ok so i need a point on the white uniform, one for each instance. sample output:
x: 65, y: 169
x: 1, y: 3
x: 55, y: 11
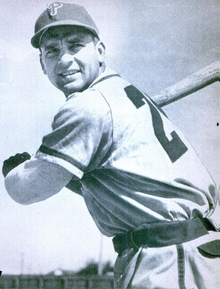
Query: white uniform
x: 134, y: 166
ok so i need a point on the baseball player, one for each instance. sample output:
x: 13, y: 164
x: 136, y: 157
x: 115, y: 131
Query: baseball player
x: 142, y: 181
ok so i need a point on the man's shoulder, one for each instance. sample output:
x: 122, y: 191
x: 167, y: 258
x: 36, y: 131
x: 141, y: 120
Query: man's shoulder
x: 89, y: 103
x: 88, y: 98
x: 100, y: 96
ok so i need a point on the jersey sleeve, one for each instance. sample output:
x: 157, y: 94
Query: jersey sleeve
x: 81, y: 134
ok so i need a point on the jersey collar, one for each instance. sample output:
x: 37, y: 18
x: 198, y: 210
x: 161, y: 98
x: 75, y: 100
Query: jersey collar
x: 107, y: 73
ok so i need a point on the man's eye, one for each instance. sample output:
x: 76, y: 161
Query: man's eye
x: 76, y: 46
x: 52, y: 52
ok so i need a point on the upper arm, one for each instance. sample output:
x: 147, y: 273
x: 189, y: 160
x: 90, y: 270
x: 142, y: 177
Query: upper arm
x: 81, y: 135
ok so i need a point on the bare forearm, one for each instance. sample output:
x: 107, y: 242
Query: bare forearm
x: 36, y: 180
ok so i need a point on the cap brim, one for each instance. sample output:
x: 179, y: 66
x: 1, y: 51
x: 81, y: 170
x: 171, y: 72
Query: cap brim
x: 35, y: 39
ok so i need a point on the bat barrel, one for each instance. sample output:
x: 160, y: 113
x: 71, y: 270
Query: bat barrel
x: 191, y: 84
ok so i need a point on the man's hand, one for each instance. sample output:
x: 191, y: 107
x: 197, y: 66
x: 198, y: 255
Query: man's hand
x: 13, y: 162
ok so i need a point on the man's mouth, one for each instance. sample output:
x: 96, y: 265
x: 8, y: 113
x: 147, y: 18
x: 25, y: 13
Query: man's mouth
x: 69, y: 73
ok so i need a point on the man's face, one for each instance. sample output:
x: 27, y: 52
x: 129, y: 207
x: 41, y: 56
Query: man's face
x: 70, y: 58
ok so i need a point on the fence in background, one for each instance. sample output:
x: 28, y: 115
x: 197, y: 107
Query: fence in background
x: 55, y: 282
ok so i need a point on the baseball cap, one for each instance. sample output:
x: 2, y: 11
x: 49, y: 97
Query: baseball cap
x: 59, y: 14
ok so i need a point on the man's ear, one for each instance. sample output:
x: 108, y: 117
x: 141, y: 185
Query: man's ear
x: 100, y: 46
x: 42, y: 65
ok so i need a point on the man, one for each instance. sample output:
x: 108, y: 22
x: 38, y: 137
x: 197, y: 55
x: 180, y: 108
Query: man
x: 141, y: 179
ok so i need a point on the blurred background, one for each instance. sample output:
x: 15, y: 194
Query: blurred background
x: 153, y: 44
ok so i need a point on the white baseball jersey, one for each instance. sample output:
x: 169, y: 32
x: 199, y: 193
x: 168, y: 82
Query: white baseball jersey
x: 133, y: 164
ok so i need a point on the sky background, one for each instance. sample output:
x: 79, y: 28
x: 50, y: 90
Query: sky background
x: 153, y: 44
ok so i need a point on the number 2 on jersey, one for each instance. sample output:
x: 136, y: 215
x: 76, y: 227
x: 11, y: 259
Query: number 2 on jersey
x: 174, y: 148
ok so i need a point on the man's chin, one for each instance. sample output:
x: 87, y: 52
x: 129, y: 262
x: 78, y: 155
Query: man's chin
x: 70, y: 88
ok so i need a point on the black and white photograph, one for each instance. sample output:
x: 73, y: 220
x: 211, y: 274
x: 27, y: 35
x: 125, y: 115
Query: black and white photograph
x: 109, y: 148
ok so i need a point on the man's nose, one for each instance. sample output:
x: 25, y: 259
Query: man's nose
x: 66, y: 58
